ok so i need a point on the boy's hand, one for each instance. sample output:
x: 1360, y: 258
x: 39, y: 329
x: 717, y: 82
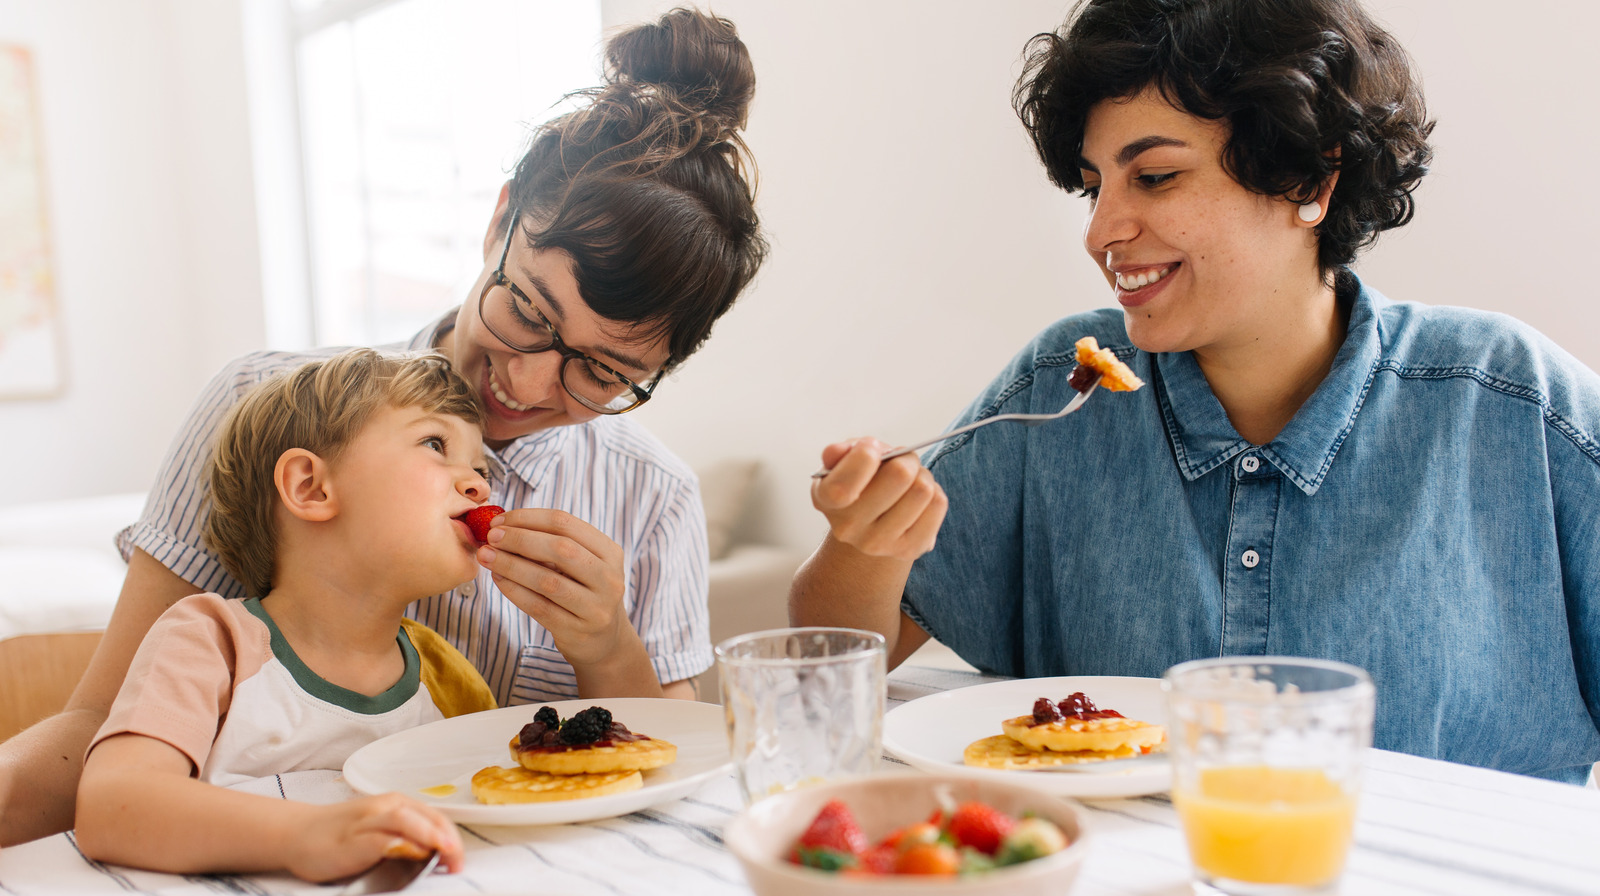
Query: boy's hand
x: 564, y: 573
x: 347, y: 838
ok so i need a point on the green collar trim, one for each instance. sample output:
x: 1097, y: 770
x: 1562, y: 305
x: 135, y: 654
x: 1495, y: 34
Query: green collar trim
x: 327, y: 691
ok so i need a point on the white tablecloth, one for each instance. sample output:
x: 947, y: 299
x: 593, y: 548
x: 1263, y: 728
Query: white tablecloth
x: 1425, y: 827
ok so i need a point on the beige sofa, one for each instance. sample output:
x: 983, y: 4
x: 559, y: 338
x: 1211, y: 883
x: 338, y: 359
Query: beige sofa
x: 59, y: 567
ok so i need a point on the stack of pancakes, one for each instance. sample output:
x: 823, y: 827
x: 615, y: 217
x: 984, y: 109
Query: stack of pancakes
x: 1029, y: 744
x: 545, y: 774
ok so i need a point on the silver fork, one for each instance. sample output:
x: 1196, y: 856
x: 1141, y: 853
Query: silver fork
x: 1030, y: 419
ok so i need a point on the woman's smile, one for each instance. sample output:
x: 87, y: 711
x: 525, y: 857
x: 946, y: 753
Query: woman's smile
x: 507, y: 417
x: 1137, y: 286
x: 500, y: 395
x: 1133, y: 282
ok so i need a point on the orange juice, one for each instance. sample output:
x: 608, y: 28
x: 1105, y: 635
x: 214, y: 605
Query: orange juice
x: 1267, y: 825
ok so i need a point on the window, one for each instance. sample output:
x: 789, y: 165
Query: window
x: 412, y: 113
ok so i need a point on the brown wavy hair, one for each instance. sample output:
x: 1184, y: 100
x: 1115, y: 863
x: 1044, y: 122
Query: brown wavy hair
x: 649, y: 186
x: 1307, y: 88
x: 319, y: 406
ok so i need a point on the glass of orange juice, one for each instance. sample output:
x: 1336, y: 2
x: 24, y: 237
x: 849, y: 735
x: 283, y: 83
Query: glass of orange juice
x: 1266, y: 768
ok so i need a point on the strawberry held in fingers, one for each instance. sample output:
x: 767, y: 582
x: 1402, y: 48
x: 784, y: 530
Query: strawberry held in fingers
x: 478, y: 519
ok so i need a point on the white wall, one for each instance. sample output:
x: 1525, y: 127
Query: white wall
x: 148, y: 187
x: 916, y: 243
x: 1510, y: 216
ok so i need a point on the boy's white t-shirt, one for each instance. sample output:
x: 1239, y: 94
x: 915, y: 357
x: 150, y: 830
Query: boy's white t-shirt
x: 216, y: 680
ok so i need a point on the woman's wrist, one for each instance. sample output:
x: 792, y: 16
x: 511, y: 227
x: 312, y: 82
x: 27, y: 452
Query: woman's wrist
x: 625, y: 671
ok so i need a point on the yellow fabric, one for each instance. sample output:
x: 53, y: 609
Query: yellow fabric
x: 456, y: 687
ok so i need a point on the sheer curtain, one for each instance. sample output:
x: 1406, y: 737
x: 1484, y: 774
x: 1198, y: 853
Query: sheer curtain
x: 412, y: 113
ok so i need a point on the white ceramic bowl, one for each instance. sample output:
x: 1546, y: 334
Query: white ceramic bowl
x: 761, y: 836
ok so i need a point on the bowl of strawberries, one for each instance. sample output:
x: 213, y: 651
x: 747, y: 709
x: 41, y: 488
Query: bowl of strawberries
x: 910, y: 832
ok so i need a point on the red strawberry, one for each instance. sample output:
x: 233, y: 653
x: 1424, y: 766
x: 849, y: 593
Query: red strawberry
x: 477, y: 519
x: 980, y: 826
x: 834, y: 828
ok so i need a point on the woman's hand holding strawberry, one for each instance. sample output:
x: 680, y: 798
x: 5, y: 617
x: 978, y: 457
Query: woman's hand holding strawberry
x: 568, y: 576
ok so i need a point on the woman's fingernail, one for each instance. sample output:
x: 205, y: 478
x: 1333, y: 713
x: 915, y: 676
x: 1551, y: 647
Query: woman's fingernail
x: 496, y: 534
x: 486, y: 555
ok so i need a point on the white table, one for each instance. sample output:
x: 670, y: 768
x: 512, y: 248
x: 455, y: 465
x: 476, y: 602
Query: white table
x: 1425, y: 827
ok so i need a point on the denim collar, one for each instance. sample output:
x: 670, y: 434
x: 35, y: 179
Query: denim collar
x: 1203, y: 438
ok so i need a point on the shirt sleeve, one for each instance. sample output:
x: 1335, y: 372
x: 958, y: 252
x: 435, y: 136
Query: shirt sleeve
x: 1575, y: 482
x: 967, y: 591
x: 670, y: 581
x: 181, y: 681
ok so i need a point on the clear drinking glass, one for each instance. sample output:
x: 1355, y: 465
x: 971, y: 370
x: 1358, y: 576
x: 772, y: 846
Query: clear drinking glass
x: 803, y: 705
x: 1266, y: 769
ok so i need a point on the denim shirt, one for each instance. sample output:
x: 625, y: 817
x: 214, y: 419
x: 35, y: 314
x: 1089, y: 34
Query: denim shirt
x: 1431, y: 514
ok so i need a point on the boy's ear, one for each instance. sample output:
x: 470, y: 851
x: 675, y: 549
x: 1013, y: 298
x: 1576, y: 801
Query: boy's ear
x: 303, y: 486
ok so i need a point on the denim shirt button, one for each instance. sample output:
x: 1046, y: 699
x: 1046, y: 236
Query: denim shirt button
x: 1250, y: 559
x: 1250, y: 463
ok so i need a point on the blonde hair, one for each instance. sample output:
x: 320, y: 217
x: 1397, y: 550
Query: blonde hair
x: 320, y: 407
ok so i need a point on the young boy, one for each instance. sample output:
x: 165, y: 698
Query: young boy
x: 336, y: 491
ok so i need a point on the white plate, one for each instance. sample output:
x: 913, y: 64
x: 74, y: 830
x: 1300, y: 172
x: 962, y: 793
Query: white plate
x: 450, y: 751
x: 932, y: 732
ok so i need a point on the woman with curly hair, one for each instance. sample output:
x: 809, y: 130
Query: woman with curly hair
x: 1313, y: 469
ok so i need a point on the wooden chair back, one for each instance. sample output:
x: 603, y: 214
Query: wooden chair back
x: 38, y: 673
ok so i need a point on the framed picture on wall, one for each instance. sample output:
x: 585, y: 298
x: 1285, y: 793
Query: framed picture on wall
x: 30, y: 326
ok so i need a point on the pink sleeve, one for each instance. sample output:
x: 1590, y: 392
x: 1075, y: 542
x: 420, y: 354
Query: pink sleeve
x: 181, y: 681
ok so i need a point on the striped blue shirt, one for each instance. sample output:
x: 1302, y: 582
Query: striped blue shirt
x: 609, y: 472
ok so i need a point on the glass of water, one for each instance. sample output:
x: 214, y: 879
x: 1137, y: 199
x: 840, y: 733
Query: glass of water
x: 803, y: 705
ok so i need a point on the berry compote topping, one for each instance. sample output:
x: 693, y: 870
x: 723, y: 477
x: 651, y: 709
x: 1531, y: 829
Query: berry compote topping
x: 1083, y: 376
x: 593, y: 727
x: 1079, y: 706
x: 1045, y: 712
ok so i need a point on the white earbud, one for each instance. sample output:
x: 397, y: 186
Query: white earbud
x: 1311, y: 211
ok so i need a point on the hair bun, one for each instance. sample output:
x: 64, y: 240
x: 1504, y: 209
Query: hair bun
x: 697, y: 58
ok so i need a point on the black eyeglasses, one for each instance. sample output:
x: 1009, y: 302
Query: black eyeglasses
x: 514, y: 319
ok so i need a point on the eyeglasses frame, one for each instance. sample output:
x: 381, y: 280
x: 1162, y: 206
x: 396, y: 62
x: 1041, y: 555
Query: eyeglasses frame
x: 557, y: 344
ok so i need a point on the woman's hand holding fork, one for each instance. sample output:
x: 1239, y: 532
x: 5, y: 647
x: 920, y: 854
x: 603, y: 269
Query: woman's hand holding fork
x: 881, y: 508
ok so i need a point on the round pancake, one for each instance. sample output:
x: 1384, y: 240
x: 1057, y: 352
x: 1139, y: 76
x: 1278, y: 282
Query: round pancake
x: 1072, y: 735
x: 1000, y: 751
x: 633, y: 755
x: 497, y: 785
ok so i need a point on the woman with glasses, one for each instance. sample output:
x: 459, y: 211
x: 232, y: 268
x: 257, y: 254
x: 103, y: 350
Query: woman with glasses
x: 626, y: 230
x: 1312, y: 469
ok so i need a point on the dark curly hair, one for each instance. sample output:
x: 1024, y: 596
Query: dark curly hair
x: 649, y: 185
x: 1307, y: 88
